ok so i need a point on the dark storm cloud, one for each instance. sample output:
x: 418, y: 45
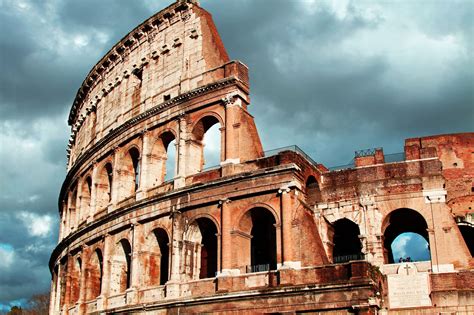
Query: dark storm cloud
x: 337, y: 76
x: 334, y: 100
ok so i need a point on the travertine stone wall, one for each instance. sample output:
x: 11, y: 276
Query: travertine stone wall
x: 255, y: 233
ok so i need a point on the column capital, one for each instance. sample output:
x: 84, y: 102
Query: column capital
x: 225, y: 200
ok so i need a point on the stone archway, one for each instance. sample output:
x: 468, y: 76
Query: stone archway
x: 401, y: 221
x: 94, y: 275
x: 347, y: 245
x: 200, y: 249
x: 260, y: 225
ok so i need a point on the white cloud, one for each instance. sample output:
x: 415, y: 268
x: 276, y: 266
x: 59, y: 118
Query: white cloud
x: 37, y: 225
x: 399, y: 245
x: 7, y: 255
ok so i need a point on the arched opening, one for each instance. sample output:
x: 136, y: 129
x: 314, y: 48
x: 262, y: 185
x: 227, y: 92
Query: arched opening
x: 86, y: 197
x: 135, y: 157
x: 404, y: 223
x: 201, y: 249
x: 346, y: 241
x: 207, y: 143
x: 162, y: 161
x: 313, y: 192
x: 72, y: 207
x: 104, y: 186
x: 261, y: 240
x: 212, y: 146
x: 129, y: 170
x: 63, y: 281
x: 467, y: 232
x: 170, y: 168
x: 408, y: 247
x: 121, y: 263
x: 156, y: 258
x: 95, y: 275
x: 76, y: 280
x: 163, y: 243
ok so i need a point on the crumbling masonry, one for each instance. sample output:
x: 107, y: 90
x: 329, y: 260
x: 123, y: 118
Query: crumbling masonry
x: 263, y: 232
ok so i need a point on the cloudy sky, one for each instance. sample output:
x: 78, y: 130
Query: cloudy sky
x: 329, y: 77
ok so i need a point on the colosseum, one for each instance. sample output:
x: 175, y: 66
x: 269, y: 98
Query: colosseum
x: 148, y: 228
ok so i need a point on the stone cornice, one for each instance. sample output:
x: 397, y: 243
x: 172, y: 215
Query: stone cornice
x: 127, y: 42
x: 66, y: 242
x: 140, y: 118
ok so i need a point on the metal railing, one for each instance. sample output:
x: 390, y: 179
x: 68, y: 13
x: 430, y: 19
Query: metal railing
x: 293, y: 148
x: 273, y: 152
x: 389, y: 158
x: 258, y: 268
x: 346, y: 258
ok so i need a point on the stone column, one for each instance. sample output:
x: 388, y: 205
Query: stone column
x: 93, y: 205
x: 233, y: 107
x: 115, y: 180
x: 132, y: 292
x: 286, y: 210
x: 144, y: 165
x: 107, y: 260
x: 180, y: 169
x: 69, y: 268
x: 173, y: 286
x: 226, y: 229
x: 82, y: 280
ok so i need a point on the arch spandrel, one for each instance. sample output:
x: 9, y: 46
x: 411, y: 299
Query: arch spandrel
x: 242, y: 219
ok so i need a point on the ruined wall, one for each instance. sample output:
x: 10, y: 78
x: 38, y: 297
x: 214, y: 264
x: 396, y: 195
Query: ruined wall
x: 260, y: 232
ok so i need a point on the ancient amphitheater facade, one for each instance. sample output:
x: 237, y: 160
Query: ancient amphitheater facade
x: 262, y: 232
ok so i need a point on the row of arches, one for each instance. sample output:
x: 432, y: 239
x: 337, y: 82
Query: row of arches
x: 405, y: 238
x: 119, y: 178
x: 199, y: 253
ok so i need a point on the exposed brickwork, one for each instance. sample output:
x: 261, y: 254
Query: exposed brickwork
x: 255, y: 234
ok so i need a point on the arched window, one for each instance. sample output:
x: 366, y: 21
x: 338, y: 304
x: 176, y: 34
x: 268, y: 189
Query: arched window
x: 72, y: 207
x: 263, y: 242
x: 313, y: 192
x: 76, y: 280
x: 155, y: 260
x: 201, y: 249
x: 467, y: 232
x: 206, y: 144
x: 135, y: 159
x: 121, y: 267
x: 260, y: 244
x: 86, y: 197
x: 346, y: 241
x: 406, y: 236
x: 104, y: 183
x: 95, y: 275
x: 170, y: 169
x: 110, y: 178
x: 162, y: 161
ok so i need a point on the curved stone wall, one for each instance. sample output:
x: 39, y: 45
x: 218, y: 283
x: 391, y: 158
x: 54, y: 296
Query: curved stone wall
x: 137, y: 236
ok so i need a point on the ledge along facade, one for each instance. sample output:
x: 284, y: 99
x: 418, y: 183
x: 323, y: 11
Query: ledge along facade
x: 263, y: 232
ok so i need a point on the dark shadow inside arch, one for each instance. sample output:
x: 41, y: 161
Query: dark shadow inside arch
x: 347, y: 245
x: 163, y: 243
x: 263, y: 241
x: 312, y: 190
x: 208, y: 248
x: 467, y: 232
x: 127, y: 252
x: 402, y: 221
x: 135, y: 157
